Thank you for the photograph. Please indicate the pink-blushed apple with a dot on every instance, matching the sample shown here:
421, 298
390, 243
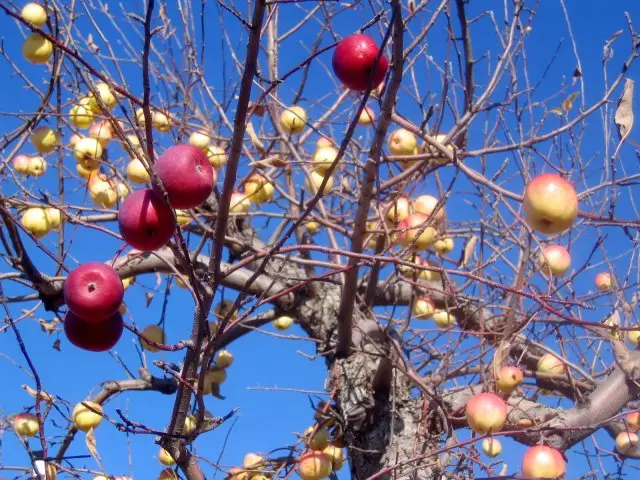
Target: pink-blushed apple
633, 421
323, 158
293, 119
21, 164
155, 333
93, 291
34, 14
102, 131
186, 175
423, 308
508, 378
554, 260
626, 442
93, 336
550, 204
604, 281
541, 461
87, 415
146, 221
491, 447
314, 466
323, 142
486, 413
399, 209
549, 363
417, 231
26, 424
426, 204
35, 220
37, 49
358, 63
44, 139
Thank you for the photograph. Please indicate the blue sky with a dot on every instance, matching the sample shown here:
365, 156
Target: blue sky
267, 420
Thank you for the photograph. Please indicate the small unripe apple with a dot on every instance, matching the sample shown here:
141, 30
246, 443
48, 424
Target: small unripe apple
35, 221
101, 131
44, 139
323, 158
137, 173
54, 216
554, 260
335, 455
491, 447
550, 204
543, 462
160, 122
626, 442
366, 117
34, 13
442, 246
508, 378
252, 461
486, 413
200, 140
37, 166
183, 217
634, 336
417, 231
224, 359
318, 440
81, 116
283, 322
165, 457
155, 333
293, 119
423, 308
549, 363
314, 466
21, 164
217, 156
604, 281
444, 319
358, 63
167, 474
426, 204
312, 226
402, 142
217, 375
93, 291
85, 418
186, 175
314, 181
26, 424
258, 189
399, 209
88, 151
37, 49
145, 221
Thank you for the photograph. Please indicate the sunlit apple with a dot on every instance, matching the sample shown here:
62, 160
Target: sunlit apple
21, 164
35, 14
335, 455
314, 181
486, 413
37, 49
426, 204
423, 308
604, 281
550, 204
200, 140
442, 246
160, 122
87, 415
26, 424
417, 231
314, 466
554, 260
258, 189
44, 139
323, 158
37, 166
367, 116
35, 220
54, 216
508, 378
399, 209
137, 173
541, 461
549, 363
155, 333
293, 119
283, 322
165, 457
88, 152
444, 319
81, 116
402, 142
224, 359
491, 447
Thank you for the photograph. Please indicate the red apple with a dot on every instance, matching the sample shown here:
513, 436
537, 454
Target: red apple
543, 462
550, 204
93, 291
145, 220
93, 336
186, 174
354, 62
486, 413
554, 260
509, 378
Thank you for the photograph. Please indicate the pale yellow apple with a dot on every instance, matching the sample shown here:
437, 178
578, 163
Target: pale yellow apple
122, 190
283, 322
239, 203
634, 336
366, 117
85, 172
54, 216
128, 281
550, 204
217, 375
508, 378
189, 424
87, 415
252, 461
167, 474
88, 152
399, 209
314, 466
183, 218
140, 116
423, 308
35, 220
165, 457
335, 455
44, 139
105, 94
315, 179
135, 150
442, 246
491, 447
161, 122
604, 281
318, 440
103, 194
426, 204
21, 164
323, 158
554, 260
217, 156
26, 424
137, 173
35, 14
224, 359
323, 142
81, 116
444, 319
439, 158
101, 131
402, 142
626, 442
155, 333
200, 140
293, 119
258, 189
549, 363
312, 226
37, 166
37, 49
73, 139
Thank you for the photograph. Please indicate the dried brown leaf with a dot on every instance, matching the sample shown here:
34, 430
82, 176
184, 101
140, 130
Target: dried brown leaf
468, 250
567, 105
624, 112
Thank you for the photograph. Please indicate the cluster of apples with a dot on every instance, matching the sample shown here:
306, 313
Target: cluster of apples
40, 221
30, 165
165, 458
36, 48
404, 143
424, 309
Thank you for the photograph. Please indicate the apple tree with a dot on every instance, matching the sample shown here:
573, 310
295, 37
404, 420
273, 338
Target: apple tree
438, 195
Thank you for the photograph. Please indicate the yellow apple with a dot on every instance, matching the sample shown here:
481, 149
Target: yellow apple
550, 204
127, 282
314, 466
37, 49
239, 203
366, 117
85, 172
444, 319
154, 333
293, 119
315, 179
35, 221
73, 139
634, 336
323, 142
200, 140
323, 158
508, 378
258, 189
26, 424
122, 190
167, 474
217, 375
88, 152
283, 322
318, 440
189, 424
549, 363
252, 461
426, 204
81, 116
105, 94
54, 217
439, 158
554, 260
165, 457
37, 166
183, 219
103, 194
442, 246
491, 447
399, 209
335, 455
423, 308
217, 156
402, 142
312, 226
44, 139
86, 415
224, 359
626, 442
160, 122
137, 173
35, 14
